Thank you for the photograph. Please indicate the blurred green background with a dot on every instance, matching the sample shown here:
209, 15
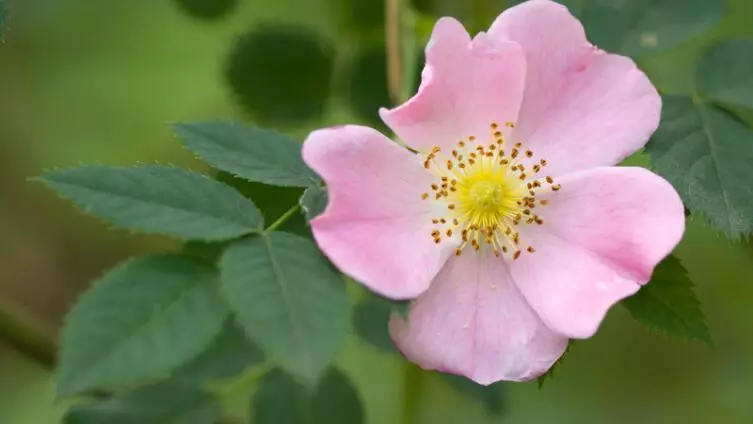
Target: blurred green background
89, 81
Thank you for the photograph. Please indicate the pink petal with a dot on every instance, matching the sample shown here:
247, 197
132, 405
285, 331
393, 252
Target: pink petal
473, 321
603, 234
583, 107
376, 227
466, 85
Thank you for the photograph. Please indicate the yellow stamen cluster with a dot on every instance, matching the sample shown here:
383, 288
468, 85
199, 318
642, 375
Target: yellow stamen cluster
487, 191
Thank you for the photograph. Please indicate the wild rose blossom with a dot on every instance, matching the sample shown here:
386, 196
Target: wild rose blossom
510, 227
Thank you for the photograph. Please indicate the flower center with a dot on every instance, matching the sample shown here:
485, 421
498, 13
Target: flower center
484, 193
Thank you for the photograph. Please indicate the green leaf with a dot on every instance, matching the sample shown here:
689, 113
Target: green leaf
492, 396
280, 400
158, 200
289, 299
668, 305
252, 153
642, 27
314, 201
550, 373
725, 73
663, 24
367, 85
401, 307
230, 353
208, 10
281, 74
143, 319
159, 404
272, 201
3, 15
370, 320
707, 155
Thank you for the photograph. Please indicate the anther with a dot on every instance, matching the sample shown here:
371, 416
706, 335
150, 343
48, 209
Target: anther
529, 153
451, 206
549, 180
556, 187
516, 255
530, 249
425, 196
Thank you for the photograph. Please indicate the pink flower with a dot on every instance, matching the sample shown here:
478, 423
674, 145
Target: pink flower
510, 227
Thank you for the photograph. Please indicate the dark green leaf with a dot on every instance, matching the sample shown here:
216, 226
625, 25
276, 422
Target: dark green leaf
139, 322
252, 153
230, 353
280, 400
707, 155
208, 9
158, 404
281, 74
3, 15
663, 24
272, 201
289, 300
668, 305
725, 73
361, 17
370, 320
401, 307
158, 200
550, 373
641, 27
492, 396
314, 201
367, 85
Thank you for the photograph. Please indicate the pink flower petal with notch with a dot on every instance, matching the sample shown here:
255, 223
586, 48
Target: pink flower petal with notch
473, 321
376, 226
604, 232
466, 85
582, 107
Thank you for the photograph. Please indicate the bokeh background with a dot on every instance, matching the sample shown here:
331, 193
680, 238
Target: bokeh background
92, 81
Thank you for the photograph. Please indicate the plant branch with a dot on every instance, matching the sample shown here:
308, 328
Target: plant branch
283, 218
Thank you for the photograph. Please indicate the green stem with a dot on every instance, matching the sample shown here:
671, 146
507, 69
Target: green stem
26, 334
284, 217
412, 382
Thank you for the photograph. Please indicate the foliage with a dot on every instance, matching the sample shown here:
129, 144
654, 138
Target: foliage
165, 336
668, 305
